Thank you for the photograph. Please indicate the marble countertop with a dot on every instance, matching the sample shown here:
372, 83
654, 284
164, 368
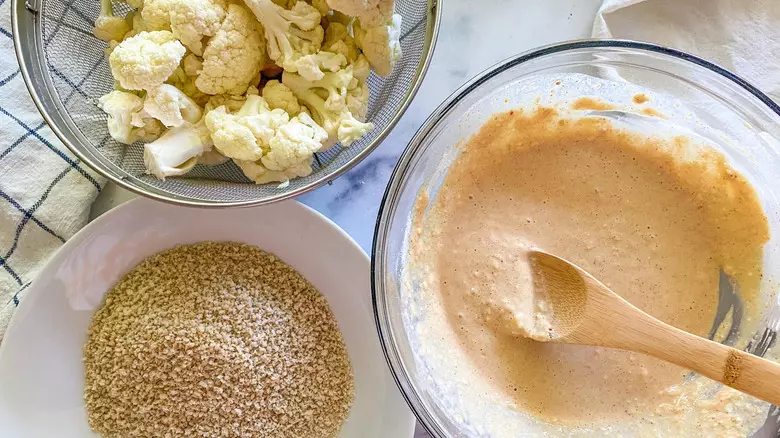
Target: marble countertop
482, 33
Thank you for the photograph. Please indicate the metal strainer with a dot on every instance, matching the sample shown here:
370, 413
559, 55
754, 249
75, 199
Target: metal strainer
65, 69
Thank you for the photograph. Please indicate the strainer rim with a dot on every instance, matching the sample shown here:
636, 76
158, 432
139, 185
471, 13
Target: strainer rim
432, 24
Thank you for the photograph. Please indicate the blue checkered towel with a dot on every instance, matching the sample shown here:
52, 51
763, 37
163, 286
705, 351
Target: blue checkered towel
46, 192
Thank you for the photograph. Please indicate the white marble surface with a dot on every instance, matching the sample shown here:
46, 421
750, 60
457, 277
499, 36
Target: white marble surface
473, 36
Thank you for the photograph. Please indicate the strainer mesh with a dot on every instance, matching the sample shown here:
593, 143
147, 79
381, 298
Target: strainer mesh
80, 73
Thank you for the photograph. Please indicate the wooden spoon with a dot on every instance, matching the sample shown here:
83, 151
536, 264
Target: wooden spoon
582, 310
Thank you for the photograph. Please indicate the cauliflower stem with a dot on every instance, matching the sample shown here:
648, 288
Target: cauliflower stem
175, 153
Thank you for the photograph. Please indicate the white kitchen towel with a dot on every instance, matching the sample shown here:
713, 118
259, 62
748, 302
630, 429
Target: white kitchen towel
741, 35
45, 192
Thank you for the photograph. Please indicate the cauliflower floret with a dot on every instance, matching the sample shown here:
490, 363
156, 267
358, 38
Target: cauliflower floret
185, 76
189, 20
381, 44
313, 67
151, 130
358, 93
125, 124
280, 96
320, 5
121, 107
295, 38
334, 85
370, 12
289, 154
186, 83
234, 56
176, 152
171, 106
136, 24
357, 101
341, 125
192, 64
157, 14
338, 40
245, 135
109, 27
146, 60
351, 129
231, 103
192, 20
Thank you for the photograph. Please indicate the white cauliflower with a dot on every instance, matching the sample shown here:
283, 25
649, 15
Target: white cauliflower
232, 104
340, 124
157, 14
266, 143
189, 20
338, 40
171, 106
136, 23
357, 101
109, 27
314, 66
176, 152
371, 13
290, 152
181, 80
192, 64
121, 107
125, 123
209, 99
185, 76
146, 60
245, 135
321, 5
381, 44
334, 85
234, 56
358, 93
280, 96
295, 37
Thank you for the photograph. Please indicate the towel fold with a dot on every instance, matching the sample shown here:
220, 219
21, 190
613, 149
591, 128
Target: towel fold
742, 36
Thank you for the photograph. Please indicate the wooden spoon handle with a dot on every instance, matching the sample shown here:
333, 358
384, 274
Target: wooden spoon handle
743, 371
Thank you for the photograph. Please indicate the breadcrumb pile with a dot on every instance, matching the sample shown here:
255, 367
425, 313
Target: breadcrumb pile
216, 340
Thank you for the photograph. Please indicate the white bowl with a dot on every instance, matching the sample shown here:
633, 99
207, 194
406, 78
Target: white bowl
41, 372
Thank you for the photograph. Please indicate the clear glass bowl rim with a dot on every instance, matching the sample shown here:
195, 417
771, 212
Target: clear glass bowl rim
397, 368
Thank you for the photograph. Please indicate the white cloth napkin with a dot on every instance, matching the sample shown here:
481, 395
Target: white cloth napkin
742, 36
45, 192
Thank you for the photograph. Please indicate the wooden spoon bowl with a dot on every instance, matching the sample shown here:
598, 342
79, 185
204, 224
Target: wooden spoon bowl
585, 311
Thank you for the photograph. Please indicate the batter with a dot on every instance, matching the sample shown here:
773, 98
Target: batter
638, 213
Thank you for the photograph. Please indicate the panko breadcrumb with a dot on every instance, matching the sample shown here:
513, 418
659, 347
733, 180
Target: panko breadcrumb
216, 340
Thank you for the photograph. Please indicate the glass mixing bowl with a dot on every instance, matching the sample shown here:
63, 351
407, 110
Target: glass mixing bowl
688, 94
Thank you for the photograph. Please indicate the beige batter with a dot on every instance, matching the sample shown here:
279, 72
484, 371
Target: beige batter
652, 226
